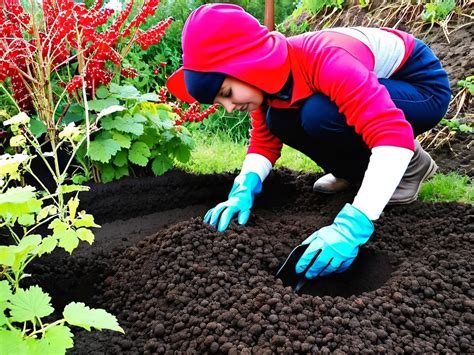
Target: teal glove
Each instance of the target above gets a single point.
(240, 201)
(337, 244)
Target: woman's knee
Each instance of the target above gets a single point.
(280, 122)
(320, 117)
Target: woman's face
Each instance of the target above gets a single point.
(235, 94)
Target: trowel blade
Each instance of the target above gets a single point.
(287, 272)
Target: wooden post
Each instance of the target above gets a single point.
(269, 20)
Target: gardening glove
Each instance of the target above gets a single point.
(336, 246)
(240, 201)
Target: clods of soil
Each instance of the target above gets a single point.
(175, 284)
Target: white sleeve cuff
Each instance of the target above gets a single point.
(385, 170)
(258, 164)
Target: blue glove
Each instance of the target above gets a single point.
(338, 243)
(240, 201)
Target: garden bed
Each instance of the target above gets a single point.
(176, 284)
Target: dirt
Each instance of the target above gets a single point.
(176, 284)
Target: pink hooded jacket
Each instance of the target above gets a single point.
(224, 38)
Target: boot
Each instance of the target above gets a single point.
(421, 167)
(329, 184)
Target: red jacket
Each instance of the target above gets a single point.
(342, 68)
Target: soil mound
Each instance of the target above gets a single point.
(188, 288)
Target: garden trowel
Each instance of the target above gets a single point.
(287, 272)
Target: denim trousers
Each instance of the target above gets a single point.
(420, 89)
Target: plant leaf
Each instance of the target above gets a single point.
(149, 97)
(123, 139)
(85, 220)
(78, 314)
(124, 92)
(86, 235)
(13, 341)
(56, 340)
(107, 173)
(161, 164)
(25, 305)
(103, 149)
(73, 204)
(121, 171)
(121, 158)
(47, 245)
(26, 219)
(37, 127)
(3, 317)
(65, 189)
(5, 291)
(102, 92)
(139, 153)
(126, 123)
(182, 153)
(68, 240)
(7, 255)
(109, 110)
(99, 105)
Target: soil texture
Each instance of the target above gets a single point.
(177, 285)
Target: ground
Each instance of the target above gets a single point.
(176, 284)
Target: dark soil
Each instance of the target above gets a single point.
(176, 284)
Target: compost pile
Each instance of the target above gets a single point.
(189, 287)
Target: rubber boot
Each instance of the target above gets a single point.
(329, 184)
(421, 167)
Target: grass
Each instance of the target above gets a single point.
(220, 154)
(447, 188)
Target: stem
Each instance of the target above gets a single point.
(10, 279)
(38, 148)
(76, 148)
(10, 97)
(86, 109)
(13, 234)
(40, 182)
(42, 222)
(43, 329)
(65, 110)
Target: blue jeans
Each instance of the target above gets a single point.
(420, 89)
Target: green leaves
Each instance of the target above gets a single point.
(31, 305)
(26, 305)
(80, 315)
(56, 340)
(126, 123)
(19, 203)
(103, 149)
(438, 10)
(139, 153)
(143, 136)
(68, 236)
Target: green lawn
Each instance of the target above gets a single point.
(219, 154)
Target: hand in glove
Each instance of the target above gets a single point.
(337, 244)
(240, 201)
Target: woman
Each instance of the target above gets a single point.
(352, 99)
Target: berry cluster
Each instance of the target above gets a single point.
(191, 114)
(154, 34)
(129, 72)
(70, 30)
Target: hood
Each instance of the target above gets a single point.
(224, 38)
